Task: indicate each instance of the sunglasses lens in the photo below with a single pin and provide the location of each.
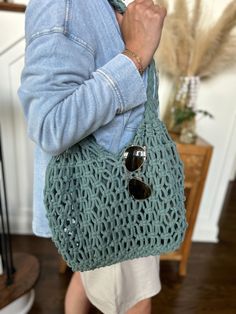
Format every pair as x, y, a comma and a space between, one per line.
134, 157
138, 189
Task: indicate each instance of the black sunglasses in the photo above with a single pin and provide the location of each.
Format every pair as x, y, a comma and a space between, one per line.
135, 157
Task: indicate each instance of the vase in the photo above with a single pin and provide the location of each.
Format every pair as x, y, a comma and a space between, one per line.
183, 97
188, 132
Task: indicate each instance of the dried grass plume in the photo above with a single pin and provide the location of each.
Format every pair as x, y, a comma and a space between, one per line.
188, 48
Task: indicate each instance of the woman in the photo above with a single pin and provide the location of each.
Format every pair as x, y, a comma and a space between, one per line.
78, 79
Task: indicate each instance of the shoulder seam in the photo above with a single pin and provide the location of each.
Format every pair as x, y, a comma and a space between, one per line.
61, 30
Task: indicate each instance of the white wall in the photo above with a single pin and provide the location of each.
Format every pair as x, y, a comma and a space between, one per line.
18, 150
216, 96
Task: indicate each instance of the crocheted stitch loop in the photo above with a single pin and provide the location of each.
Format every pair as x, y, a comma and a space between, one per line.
118, 5
93, 219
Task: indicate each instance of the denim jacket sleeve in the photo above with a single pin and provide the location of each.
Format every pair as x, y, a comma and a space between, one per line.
65, 98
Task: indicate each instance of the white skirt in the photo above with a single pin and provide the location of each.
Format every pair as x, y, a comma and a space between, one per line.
116, 288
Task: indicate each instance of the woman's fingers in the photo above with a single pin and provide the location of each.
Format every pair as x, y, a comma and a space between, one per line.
119, 17
141, 27
161, 10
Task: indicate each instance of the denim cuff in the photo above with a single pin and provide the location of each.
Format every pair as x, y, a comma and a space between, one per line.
125, 79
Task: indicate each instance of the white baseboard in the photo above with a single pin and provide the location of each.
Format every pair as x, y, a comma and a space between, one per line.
205, 232
1, 267
20, 224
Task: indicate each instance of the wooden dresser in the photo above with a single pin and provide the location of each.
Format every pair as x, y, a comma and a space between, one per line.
196, 158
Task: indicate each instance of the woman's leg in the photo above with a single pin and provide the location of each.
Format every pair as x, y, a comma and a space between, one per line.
142, 307
76, 301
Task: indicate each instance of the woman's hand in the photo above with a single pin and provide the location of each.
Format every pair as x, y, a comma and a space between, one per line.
141, 27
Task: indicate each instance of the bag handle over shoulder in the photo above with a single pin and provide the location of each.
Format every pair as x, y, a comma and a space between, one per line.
118, 5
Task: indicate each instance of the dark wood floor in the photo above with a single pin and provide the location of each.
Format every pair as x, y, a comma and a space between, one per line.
209, 287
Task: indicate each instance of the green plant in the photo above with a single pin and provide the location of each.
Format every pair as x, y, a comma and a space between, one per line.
184, 114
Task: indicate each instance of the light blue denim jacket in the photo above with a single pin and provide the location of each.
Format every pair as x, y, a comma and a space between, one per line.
76, 82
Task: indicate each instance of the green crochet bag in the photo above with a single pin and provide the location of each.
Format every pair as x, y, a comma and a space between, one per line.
96, 205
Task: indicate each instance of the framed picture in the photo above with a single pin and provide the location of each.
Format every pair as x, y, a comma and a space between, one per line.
8, 5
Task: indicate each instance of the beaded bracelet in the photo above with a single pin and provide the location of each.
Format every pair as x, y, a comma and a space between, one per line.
137, 58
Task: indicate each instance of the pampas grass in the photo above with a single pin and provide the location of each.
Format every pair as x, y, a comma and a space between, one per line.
189, 49
197, 13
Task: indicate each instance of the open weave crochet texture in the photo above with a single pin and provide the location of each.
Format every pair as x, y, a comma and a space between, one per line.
93, 219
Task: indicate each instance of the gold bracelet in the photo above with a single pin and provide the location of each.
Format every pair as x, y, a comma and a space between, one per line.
137, 58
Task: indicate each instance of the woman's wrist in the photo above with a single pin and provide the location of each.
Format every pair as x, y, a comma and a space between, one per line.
136, 59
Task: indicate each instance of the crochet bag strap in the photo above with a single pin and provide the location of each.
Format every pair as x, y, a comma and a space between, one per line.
118, 5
